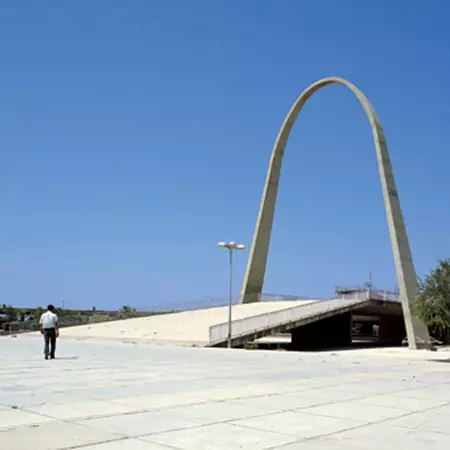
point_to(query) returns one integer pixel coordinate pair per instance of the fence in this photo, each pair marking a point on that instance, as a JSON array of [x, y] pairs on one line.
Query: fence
[[214, 303], [373, 294], [67, 321], [33, 325]]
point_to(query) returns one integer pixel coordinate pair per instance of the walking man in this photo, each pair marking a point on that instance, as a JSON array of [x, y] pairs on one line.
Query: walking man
[[49, 328]]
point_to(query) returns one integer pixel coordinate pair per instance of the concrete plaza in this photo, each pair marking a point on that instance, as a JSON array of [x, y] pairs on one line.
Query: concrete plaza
[[108, 395]]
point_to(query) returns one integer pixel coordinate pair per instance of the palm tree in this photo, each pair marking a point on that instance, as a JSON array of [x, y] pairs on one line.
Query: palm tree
[[433, 303]]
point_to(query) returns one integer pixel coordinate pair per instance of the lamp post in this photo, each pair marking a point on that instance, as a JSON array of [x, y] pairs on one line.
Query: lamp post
[[231, 246]]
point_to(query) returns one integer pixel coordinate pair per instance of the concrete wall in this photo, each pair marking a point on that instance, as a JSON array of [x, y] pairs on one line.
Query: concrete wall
[[334, 331]]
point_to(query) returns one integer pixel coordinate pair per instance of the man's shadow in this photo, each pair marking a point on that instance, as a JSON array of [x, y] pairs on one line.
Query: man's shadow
[[66, 358], [440, 360]]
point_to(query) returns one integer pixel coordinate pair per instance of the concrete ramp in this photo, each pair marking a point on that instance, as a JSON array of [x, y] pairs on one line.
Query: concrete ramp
[[189, 328], [209, 327], [279, 321]]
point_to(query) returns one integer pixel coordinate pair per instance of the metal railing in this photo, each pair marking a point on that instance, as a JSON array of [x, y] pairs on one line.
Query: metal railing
[[385, 296], [215, 303], [374, 292]]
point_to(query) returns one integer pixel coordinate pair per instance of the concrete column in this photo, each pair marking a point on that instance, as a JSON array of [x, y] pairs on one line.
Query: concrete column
[[254, 277]]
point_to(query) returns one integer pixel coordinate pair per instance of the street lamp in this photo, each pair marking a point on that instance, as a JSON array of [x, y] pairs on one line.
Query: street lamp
[[231, 246]]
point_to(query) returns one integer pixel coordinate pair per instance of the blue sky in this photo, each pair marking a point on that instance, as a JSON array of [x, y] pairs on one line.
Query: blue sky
[[136, 135]]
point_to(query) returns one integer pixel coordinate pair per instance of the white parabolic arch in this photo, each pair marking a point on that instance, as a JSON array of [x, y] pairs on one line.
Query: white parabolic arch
[[417, 332]]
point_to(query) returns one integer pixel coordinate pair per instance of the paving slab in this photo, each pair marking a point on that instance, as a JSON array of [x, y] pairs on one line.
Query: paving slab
[[332, 395], [159, 401], [23, 399], [81, 409], [402, 401], [110, 395], [433, 392], [216, 412], [376, 437], [283, 402], [355, 410], [144, 423], [299, 424], [434, 419], [220, 437], [53, 435], [315, 444], [126, 444], [11, 418]]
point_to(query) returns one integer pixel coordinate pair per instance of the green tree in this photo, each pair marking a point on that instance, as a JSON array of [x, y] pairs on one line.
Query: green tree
[[433, 302], [126, 309], [11, 312], [98, 318]]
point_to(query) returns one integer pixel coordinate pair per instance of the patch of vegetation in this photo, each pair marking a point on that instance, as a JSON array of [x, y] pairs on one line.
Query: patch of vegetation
[[433, 302]]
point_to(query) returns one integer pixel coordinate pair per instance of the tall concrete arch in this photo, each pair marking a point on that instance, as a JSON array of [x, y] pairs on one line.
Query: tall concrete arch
[[417, 332]]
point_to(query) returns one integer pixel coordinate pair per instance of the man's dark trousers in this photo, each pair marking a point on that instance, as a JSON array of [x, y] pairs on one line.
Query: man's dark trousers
[[50, 342]]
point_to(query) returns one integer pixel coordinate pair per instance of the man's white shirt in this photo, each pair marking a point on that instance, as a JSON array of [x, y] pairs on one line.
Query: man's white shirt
[[48, 320]]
